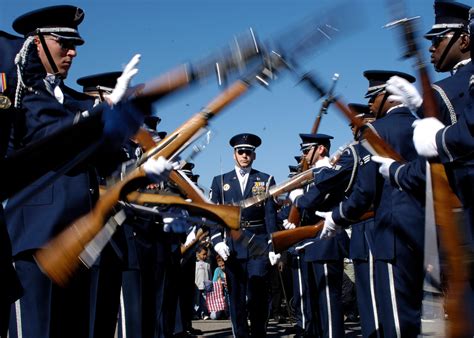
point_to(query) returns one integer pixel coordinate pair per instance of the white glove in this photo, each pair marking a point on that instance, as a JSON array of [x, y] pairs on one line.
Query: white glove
[[295, 193], [176, 225], [158, 170], [191, 236], [404, 92], [223, 250], [385, 163], [330, 228], [424, 136], [124, 80], [273, 257], [287, 225]]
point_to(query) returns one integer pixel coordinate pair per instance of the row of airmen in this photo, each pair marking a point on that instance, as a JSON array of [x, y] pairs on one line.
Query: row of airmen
[[387, 247]]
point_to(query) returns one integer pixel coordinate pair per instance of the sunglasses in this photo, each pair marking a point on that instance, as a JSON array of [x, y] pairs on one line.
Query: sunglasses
[[248, 152], [436, 40], [64, 43], [307, 150]]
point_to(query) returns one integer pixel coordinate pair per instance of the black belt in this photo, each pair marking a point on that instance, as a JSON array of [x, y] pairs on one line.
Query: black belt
[[252, 224]]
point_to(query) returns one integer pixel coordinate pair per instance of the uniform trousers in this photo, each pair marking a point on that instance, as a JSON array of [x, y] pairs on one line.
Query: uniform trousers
[[248, 285], [328, 282], [399, 292], [47, 310], [366, 302]]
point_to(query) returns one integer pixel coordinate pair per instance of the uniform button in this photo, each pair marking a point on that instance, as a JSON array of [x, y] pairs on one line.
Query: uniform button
[[91, 191]]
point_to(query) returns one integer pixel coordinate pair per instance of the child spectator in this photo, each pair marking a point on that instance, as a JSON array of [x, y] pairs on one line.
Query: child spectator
[[202, 277], [219, 272], [220, 301]]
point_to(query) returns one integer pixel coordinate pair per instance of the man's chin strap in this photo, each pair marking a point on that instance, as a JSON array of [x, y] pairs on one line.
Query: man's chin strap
[[450, 44], [54, 68], [311, 160], [379, 112]]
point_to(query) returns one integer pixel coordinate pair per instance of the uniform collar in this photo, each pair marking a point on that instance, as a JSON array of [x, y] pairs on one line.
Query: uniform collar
[[460, 64], [395, 107], [238, 169]]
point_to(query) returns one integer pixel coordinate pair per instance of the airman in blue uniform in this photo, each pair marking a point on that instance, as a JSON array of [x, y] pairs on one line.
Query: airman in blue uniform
[[247, 272], [324, 259], [9, 45], [450, 52], [46, 310], [398, 235], [337, 182]]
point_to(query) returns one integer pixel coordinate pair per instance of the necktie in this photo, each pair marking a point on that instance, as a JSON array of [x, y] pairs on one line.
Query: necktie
[[54, 86], [242, 172]]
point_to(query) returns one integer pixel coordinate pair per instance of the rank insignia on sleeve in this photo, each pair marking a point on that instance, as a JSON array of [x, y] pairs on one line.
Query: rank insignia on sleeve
[[364, 160]]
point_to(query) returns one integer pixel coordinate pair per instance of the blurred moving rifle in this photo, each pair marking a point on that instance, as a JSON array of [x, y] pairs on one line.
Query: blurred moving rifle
[[59, 258], [225, 62]]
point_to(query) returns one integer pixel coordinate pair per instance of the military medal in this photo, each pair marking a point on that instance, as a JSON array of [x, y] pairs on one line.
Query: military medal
[[258, 188], [226, 187], [5, 102]]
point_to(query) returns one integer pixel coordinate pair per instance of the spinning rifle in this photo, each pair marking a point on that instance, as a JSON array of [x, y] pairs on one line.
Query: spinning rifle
[[59, 258]]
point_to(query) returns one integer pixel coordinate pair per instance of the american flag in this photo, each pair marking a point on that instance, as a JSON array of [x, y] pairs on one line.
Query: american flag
[[215, 299]]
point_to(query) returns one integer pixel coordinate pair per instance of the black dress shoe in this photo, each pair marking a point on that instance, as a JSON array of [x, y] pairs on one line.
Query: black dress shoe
[[280, 319], [194, 332], [351, 318]]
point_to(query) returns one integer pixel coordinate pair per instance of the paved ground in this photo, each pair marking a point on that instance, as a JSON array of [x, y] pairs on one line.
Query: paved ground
[[222, 328]]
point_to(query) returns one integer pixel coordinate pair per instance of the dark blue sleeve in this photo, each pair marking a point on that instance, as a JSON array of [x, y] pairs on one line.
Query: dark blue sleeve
[[410, 177], [271, 212], [363, 193], [329, 181], [456, 142], [45, 115], [337, 178]]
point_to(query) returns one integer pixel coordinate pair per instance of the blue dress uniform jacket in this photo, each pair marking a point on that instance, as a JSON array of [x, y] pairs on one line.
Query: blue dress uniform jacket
[[335, 248], [403, 212], [452, 93], [41, 216], [259, 220], [398, 234], [45, 214]]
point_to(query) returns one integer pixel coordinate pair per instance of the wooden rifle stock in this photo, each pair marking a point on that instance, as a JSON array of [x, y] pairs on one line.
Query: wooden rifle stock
[[144, 139], [224, 214], [283, 239], [59, 257]]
